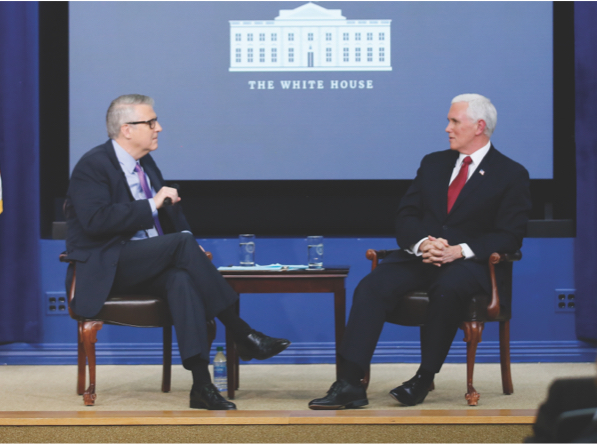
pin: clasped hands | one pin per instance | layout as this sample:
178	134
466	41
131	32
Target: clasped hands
437	251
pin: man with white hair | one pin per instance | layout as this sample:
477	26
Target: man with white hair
128	234
464	204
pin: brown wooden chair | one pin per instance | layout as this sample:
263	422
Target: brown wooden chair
482	308
134	310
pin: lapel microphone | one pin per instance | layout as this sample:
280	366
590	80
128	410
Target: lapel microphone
168	201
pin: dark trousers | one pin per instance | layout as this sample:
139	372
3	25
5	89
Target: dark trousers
173	266
449	288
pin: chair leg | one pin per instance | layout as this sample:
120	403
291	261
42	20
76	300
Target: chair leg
167	363
366	379
88	330
472	336
81	361
507	386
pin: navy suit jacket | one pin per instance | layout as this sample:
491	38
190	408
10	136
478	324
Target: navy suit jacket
490	213
101	215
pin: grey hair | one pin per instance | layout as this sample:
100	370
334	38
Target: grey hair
479	108
122	110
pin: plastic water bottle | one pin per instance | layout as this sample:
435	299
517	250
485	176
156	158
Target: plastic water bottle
220	375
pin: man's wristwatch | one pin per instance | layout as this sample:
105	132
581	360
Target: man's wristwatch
462	251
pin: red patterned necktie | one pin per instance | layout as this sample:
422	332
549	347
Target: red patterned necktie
458	182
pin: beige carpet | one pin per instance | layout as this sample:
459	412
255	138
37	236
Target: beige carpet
275	387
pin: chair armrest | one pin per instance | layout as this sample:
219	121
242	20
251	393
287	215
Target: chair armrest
63	257
510	257
493	310
71	291
376	255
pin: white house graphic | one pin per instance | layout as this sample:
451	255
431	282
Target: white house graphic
310	38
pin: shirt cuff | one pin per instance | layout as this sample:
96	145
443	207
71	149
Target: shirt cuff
468	253
415	248
154	209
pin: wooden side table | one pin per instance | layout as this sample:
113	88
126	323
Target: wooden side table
326	280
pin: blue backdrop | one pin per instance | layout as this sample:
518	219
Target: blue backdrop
307	319
19	161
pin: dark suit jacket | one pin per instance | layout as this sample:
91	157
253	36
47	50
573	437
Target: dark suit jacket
101	215
490	213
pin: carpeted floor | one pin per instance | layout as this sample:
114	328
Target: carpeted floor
275	387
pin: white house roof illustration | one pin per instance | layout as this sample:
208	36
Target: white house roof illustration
310	11
310	38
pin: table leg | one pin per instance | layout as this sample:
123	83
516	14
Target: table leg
340	320
232	360
236	358
230	367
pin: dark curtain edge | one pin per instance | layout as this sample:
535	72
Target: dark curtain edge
20	316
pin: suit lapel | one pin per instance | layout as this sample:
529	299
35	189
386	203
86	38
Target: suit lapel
114	160
480	175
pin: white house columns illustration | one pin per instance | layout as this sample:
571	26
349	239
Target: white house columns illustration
310	38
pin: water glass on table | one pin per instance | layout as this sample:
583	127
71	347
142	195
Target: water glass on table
247	250
315	251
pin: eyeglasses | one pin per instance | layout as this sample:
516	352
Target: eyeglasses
151	123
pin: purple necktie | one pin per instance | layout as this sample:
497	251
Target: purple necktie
148	194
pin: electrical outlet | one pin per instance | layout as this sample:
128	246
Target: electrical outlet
565	300
56	303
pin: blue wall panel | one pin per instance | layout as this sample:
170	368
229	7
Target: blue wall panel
538	332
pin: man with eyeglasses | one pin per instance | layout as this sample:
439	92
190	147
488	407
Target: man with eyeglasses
127	234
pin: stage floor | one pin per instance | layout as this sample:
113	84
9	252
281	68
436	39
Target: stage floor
39	404
272	387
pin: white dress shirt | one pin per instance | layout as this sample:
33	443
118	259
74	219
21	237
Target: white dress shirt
128	163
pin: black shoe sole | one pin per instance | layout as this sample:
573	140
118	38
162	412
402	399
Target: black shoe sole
408	403
201	405
278	351
351	405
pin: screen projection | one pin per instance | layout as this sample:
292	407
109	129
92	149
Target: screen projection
312	91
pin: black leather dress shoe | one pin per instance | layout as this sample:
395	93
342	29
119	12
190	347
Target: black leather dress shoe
259	346
208	397
412	392
341	395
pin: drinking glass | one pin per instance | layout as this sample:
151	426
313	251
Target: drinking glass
247	250
315	251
